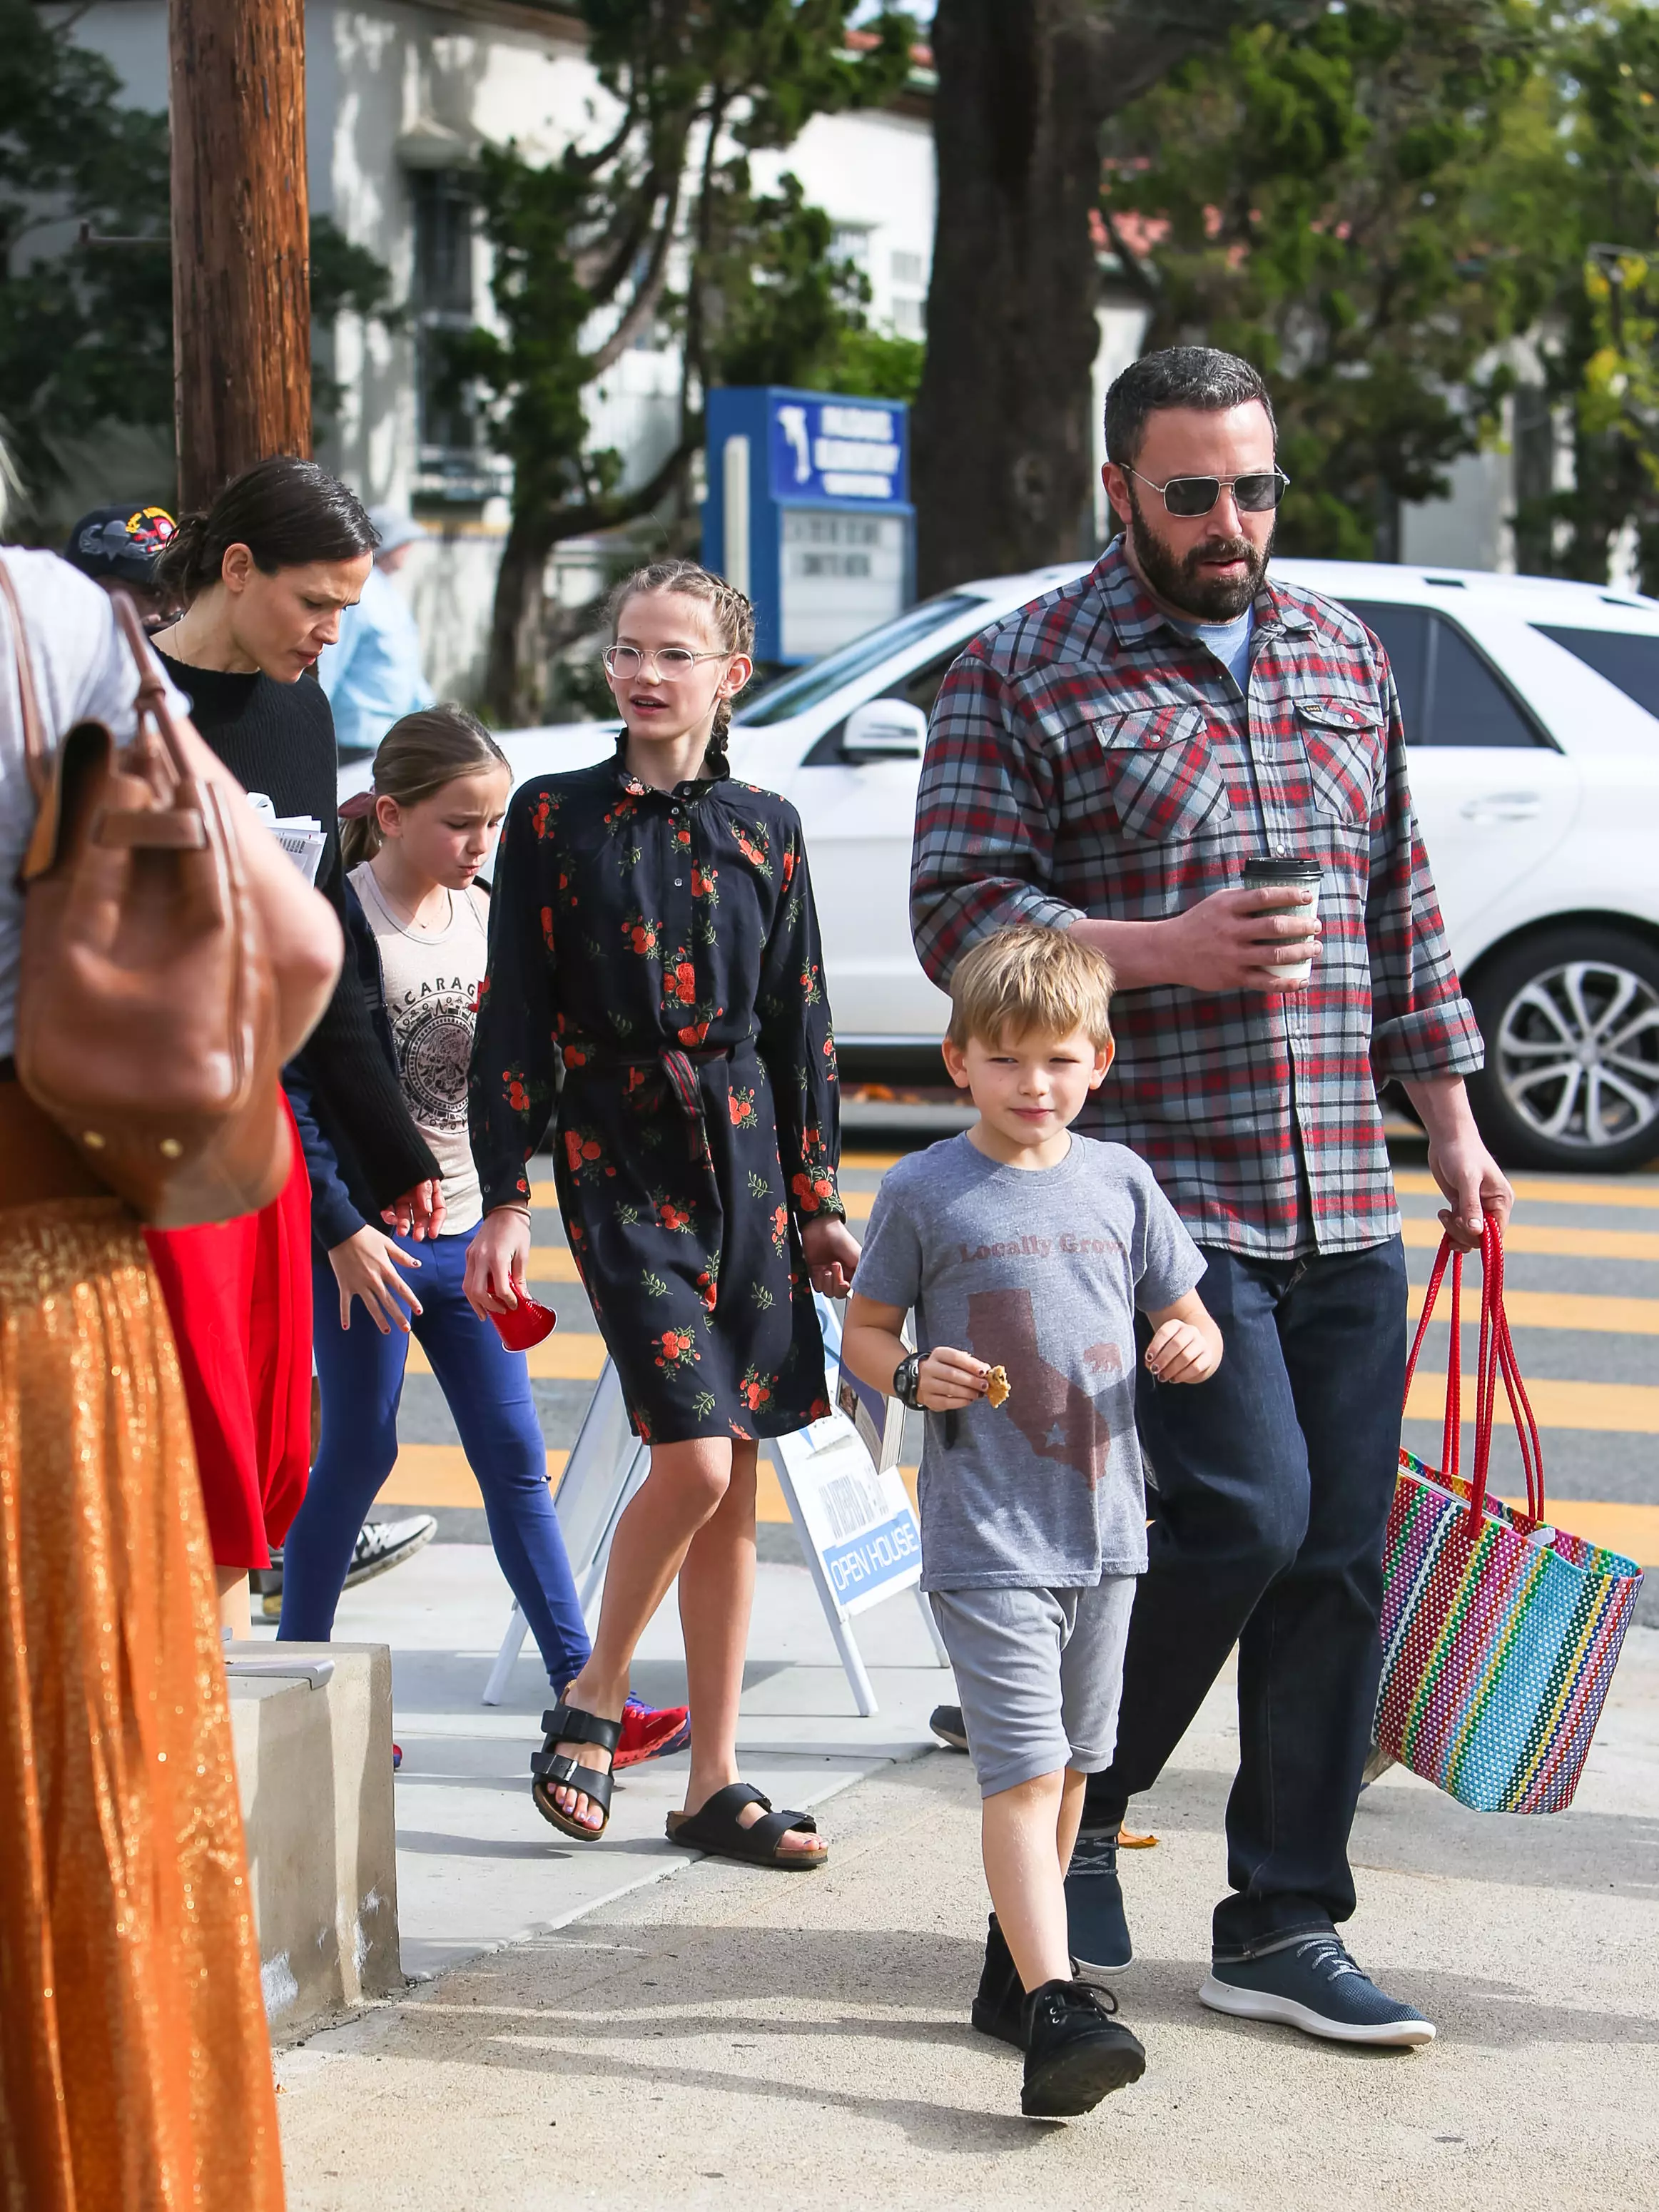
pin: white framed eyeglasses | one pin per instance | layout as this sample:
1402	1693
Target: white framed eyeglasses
668	664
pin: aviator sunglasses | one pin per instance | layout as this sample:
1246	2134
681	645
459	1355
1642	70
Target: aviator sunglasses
1186	496
668	664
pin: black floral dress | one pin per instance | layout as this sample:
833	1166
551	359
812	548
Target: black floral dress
666	944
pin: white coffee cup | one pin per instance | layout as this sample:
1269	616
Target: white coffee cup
1295	878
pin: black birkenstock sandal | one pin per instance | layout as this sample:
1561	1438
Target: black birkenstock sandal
554	1771
718	1831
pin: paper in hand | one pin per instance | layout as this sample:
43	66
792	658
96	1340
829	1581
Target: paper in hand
300	835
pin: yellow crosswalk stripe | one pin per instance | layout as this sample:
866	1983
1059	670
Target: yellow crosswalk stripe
1422	1234
1556	1310
1623	1408
552	1263
1549	1190
438	1474
561	1359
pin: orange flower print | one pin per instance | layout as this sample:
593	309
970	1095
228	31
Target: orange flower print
642	936
703	881
740	1433
707	1288
676	1348
542	816
693	1033
574	1056
780	1228
583	1150
683	834
670	1215
810	990
756	1388
547	927
634	1080
518	1097
742	1105
790	858
754	853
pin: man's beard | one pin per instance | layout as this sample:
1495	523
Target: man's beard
1179	579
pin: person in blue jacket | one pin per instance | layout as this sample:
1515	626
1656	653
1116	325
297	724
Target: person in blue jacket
416	929
373	674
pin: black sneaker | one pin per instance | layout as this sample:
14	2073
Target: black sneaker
1312	1984
1097	1932
945	1722
1076	2052
999	2007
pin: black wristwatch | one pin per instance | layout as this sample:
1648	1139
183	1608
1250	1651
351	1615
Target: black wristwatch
906	1382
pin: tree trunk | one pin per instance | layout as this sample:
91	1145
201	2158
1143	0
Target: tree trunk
241	272
514	675
1002	454
1004	443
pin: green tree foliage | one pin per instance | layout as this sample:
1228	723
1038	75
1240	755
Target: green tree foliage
656	228
85	330
86	333
1591	177
1345	206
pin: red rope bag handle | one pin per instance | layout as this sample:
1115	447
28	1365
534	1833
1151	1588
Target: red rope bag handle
1497	1356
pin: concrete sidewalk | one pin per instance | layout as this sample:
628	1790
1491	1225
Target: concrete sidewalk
476	1864
735	2036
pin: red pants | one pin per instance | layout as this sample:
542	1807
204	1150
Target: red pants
239	1296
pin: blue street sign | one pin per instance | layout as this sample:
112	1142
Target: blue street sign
808	510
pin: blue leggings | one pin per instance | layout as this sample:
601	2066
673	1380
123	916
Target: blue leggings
488	1390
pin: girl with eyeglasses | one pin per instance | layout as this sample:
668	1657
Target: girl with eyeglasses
654	916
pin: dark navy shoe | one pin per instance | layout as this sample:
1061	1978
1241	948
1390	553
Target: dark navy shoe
1076	2052
1099	1933
945	1722
999	2006
1312	1984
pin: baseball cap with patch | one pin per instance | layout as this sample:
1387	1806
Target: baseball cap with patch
119	543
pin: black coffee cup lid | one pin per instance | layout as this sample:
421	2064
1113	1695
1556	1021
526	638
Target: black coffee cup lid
1282	871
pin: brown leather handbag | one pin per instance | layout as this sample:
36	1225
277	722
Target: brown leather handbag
146	1013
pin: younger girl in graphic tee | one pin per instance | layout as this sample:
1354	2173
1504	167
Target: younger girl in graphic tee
415	923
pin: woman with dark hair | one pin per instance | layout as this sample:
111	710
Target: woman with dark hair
263	576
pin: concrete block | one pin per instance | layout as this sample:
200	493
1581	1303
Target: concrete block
311	1725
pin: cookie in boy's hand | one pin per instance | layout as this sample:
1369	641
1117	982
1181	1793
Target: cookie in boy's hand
996	1386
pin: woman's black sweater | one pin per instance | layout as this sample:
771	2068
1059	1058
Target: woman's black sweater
279	738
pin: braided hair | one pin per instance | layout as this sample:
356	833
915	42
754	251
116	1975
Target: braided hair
731	612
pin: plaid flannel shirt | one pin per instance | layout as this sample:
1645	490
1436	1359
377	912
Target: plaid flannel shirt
1087	757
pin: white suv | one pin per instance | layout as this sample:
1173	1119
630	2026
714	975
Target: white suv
1532	712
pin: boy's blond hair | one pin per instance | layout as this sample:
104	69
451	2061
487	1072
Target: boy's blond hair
1028	978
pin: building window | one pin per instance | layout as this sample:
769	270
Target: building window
850	241
907	268
442	300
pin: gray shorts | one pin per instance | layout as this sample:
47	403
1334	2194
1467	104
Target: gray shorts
1039	1672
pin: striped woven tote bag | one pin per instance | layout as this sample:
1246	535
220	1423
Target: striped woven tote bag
1500	1631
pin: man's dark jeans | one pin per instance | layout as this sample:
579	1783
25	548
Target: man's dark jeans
1274	1483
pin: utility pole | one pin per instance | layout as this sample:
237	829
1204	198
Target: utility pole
241	269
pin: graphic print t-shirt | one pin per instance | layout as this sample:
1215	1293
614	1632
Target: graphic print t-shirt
431	995
1039	1272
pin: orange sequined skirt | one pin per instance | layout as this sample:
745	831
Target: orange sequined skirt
135	2067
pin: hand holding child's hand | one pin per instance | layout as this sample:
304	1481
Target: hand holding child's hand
831	1252
948	1379
1182	1351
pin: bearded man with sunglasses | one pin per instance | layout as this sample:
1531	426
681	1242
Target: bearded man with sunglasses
1106	761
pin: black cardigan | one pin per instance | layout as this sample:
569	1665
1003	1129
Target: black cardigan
279	738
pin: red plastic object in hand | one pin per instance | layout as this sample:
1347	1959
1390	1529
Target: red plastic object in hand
528	1323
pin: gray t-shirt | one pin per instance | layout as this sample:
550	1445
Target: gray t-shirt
83	671
1038	1271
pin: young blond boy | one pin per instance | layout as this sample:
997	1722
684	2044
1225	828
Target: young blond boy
1025	1248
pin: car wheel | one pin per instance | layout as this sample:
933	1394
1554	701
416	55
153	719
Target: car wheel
1571	1018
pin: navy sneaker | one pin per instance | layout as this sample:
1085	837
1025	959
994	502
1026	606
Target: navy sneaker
945	1722
1076	2052
1312	1984
1099	1933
